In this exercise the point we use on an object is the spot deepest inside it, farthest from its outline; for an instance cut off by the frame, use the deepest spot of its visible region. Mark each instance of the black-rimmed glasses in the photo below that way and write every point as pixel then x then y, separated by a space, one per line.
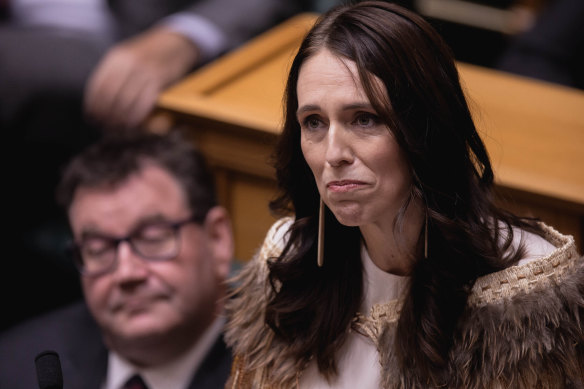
pixel 97 254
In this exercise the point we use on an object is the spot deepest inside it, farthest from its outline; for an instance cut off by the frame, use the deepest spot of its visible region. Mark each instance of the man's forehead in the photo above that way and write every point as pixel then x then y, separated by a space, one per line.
pixel 149 195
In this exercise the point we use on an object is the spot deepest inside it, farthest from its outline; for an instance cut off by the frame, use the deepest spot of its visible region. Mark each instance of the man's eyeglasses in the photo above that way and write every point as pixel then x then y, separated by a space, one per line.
pixel 97 254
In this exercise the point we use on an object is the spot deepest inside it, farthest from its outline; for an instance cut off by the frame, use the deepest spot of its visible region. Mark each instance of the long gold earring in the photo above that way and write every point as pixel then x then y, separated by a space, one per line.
pixel 426 237
pixel 320 246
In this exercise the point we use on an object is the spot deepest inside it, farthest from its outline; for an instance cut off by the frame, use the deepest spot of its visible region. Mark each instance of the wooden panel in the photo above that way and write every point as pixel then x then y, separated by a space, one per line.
pixel 232 147
pixel 534 132
pixel 245 181
pixel 556 214
pixel 245 87
pixel 249 207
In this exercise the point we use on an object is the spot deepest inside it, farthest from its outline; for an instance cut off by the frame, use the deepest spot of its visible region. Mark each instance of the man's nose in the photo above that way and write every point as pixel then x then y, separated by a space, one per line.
pixel 129 264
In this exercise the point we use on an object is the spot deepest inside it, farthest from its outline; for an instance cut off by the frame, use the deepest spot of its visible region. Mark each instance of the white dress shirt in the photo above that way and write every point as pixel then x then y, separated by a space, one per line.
pixel 175 375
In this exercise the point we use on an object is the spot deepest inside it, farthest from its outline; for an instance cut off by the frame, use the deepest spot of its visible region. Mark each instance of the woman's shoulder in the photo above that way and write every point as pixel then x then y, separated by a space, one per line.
pixel 250 289
pixel 549 259
pixel 256 269
pixel 531 312
pixel 275 239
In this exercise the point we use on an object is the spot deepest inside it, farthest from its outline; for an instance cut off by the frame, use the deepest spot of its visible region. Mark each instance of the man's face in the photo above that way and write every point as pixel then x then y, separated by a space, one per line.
pixel 142 301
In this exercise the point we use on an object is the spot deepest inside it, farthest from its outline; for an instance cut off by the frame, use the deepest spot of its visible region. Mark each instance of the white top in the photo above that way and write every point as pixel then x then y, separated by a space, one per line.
pixel 175 375
pixel 358 365
pixel 536 247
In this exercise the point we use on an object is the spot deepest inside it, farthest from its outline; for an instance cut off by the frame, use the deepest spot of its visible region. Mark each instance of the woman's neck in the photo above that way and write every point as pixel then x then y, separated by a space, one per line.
pixel 387 253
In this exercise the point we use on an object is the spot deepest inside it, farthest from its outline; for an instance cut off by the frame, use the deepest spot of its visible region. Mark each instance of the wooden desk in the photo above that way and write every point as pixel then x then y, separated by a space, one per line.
pixel 534 132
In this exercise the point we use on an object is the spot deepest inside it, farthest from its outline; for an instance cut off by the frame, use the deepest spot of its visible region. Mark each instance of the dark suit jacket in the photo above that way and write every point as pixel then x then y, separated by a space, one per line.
pixel 74 335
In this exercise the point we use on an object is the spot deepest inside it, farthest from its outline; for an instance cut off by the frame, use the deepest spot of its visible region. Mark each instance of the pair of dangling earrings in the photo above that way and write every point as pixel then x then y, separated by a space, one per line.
pixel 320 240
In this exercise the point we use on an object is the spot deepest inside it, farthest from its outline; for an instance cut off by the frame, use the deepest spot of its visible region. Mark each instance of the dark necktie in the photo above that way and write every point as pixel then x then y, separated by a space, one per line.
pixel 135 382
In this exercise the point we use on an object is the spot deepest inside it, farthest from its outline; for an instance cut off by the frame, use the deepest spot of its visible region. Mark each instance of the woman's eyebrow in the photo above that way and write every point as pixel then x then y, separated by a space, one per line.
pixel 307 108
pixel 355 106
pixel 346 107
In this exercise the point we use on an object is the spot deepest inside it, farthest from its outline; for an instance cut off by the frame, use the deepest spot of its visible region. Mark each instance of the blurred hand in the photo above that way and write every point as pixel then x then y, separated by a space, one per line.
pixel 124 87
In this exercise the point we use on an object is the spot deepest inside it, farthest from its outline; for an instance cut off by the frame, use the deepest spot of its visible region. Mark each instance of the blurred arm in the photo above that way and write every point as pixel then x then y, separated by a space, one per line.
pixel 125 85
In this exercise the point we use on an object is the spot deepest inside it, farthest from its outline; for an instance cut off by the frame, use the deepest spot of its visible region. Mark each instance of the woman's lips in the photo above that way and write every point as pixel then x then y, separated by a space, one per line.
pixel 344 185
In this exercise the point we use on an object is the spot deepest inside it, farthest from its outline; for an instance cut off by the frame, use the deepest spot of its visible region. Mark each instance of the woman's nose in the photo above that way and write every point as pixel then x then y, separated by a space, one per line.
pixel 338 151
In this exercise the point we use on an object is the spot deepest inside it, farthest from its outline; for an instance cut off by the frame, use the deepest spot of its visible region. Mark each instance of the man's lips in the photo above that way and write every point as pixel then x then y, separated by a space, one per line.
pixel 136 303
pixel 345 185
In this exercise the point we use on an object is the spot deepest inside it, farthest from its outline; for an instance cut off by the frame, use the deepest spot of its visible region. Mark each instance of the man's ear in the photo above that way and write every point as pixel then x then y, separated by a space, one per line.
pixel 220 234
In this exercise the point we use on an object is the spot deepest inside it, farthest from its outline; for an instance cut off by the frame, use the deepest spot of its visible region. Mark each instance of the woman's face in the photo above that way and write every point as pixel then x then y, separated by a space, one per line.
pixel 359 168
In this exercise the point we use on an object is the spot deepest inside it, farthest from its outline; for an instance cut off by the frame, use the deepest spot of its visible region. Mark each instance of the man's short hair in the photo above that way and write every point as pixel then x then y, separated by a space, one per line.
pixel 114 158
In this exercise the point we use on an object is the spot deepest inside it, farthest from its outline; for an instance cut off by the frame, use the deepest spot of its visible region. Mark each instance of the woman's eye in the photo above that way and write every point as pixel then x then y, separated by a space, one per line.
pixel 311 122
pixel 366 120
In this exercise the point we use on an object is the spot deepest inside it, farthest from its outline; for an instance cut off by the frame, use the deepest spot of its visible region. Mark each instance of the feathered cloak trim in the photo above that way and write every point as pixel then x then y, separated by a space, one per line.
pixel 523 327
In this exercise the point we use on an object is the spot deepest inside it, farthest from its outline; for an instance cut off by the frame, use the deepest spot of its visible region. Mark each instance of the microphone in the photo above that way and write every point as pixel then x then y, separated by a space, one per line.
pixel 48 368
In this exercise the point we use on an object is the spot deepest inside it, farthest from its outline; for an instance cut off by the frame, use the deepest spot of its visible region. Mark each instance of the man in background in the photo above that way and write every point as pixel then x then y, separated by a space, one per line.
pixel 72 69
pixel 153 249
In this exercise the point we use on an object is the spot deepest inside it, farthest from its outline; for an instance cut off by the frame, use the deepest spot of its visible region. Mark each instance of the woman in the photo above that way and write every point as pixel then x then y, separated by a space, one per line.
pixel 397 269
